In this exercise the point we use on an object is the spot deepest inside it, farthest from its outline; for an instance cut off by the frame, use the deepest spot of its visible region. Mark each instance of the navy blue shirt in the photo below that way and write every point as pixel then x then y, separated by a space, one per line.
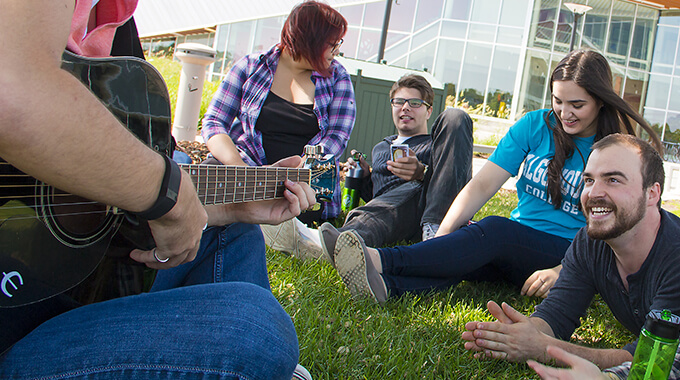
pixel 589 268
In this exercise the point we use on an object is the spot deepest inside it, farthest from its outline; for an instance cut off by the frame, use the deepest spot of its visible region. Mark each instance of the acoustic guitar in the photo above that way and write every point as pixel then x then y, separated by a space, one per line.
pixel 51 240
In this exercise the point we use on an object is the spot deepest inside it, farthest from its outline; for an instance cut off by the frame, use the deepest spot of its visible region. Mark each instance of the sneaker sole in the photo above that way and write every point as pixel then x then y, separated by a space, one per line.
pixel 350 262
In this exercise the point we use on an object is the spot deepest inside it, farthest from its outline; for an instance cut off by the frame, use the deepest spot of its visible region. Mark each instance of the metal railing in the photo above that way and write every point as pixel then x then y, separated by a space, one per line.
pixel 671 152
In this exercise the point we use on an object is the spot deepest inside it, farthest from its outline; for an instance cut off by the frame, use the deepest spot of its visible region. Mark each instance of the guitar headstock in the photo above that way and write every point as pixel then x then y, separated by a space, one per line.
pixel 324 172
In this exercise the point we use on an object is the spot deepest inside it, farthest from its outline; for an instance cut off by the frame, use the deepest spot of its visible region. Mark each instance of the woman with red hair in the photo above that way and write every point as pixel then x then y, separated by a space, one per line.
pixel 270 105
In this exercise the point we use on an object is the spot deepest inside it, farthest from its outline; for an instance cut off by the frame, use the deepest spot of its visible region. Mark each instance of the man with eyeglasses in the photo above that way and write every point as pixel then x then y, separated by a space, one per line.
pixel 408 196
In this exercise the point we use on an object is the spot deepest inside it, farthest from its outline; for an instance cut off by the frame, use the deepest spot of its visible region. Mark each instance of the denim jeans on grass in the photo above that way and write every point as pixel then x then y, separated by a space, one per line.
pixel 493 249
pixel 227 325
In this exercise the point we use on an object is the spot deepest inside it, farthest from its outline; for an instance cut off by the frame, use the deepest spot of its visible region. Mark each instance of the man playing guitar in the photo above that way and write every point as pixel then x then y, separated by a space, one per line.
pixel 55 130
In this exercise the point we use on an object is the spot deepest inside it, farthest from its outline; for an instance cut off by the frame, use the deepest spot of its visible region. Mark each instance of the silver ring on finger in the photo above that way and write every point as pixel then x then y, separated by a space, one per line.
pixel 155 255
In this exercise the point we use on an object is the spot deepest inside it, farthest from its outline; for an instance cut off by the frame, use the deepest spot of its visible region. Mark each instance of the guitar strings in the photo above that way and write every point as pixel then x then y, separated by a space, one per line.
pixel 209 190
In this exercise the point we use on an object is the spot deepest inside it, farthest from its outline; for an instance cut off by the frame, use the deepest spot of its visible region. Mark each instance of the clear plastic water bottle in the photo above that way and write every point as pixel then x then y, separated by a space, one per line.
pixel 656 346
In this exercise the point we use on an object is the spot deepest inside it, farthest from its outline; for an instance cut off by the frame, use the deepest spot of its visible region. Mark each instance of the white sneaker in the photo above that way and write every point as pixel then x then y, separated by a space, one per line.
pixel 301 373
pixel 295 238
pixel 429 230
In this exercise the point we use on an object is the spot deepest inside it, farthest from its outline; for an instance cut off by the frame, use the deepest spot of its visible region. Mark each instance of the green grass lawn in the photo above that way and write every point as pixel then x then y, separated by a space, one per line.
pixel 413 337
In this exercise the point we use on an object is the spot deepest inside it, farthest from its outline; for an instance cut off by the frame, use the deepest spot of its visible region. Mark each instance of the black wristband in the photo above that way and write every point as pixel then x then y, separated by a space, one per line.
pixel 167 195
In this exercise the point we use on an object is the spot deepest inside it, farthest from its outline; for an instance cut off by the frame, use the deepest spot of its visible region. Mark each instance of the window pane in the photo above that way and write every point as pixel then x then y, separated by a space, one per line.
pixel 456 29
pixel 268 33
pixel 619 31
pixel 534 81
pixel 510 36
pixel 163 47
pixel 545 24
pixel 669 20
pixel 672 133
pixel 475 73
pixel 427 12
pixel 664 51
pixel 675 98
pixel 595 25
pixel 239 40
pixel 655 120
pixel 368 44
pixel 486 11
pixel 457 9
pixel 395 51
pixel 351 41
pixel 401 15
pixel 481 32
pixel 401 62
pixel 635 86
pixel 426 35
pixel 375 13
pixel 203 39
pixel 448 61
pixel 502 82
pixel 514 12
pixel 422 58
pixel 352 14
pixel 643 37
pixel 657 92
pixel 564 27
pixel 221 47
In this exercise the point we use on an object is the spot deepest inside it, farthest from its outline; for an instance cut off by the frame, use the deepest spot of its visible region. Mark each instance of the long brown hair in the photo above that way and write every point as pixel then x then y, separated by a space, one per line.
pixel 589 70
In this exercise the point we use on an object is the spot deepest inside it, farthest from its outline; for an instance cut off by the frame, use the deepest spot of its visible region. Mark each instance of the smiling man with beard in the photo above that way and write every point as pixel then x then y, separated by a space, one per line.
pixel 628 253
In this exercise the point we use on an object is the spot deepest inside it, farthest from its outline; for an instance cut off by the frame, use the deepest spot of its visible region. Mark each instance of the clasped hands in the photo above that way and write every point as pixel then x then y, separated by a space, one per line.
pixel 512 337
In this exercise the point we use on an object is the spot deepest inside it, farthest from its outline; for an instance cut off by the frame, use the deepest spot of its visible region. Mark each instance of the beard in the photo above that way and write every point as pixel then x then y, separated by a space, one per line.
pixel 623 222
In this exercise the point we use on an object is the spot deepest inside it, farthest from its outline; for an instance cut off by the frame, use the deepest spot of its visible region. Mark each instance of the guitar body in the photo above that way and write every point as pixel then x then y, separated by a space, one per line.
pixel 51 240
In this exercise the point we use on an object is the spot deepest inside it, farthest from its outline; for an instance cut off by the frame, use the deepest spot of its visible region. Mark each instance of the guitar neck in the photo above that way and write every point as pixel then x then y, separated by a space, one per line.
pixel 218 184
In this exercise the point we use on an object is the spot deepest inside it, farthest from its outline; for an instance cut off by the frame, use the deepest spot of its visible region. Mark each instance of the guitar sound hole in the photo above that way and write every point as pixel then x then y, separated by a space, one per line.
pixel 78 216
pixel 76 221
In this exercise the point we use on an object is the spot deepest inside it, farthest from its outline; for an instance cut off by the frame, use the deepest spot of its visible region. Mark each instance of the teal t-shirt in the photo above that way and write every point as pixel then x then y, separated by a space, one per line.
pixel 530 141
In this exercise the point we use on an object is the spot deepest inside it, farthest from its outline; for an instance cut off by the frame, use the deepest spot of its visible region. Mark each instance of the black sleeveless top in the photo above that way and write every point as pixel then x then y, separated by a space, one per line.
pixel 286 127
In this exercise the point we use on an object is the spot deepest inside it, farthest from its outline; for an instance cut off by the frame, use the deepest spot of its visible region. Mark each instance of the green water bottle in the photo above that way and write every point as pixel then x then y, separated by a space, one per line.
pixel 656 346
pixel 350 193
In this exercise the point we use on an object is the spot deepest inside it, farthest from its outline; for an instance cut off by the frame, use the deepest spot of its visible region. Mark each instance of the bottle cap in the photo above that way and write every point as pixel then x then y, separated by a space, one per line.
pixel 663 324
pixel 355 172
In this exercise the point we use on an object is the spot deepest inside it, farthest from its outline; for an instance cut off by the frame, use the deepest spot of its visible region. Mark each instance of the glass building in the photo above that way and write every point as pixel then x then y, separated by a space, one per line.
pixel 496 55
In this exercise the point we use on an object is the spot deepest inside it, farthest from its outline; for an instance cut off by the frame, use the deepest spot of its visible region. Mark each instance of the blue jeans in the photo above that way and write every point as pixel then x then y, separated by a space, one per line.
pixel 227 325
pixel 495 248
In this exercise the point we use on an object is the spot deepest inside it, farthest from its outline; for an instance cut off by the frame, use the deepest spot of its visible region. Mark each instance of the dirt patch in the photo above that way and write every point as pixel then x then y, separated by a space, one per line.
pixel 195 149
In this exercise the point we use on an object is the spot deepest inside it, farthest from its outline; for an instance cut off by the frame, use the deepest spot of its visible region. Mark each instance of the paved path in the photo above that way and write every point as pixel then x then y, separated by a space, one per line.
pixel 477 164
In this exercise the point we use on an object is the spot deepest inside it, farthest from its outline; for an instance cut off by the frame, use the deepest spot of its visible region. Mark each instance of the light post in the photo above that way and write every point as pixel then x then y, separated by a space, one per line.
pixel 578 10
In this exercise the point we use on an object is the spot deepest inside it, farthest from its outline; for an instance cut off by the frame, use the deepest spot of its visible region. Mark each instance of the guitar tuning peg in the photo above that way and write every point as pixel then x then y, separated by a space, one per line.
pixel 314 150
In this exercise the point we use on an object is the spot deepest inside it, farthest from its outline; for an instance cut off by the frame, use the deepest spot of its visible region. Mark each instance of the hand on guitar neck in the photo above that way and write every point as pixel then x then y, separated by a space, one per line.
pixel 297 198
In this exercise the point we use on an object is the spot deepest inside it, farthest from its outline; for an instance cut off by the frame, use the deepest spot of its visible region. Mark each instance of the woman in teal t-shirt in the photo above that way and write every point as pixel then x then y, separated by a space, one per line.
pixel 527 248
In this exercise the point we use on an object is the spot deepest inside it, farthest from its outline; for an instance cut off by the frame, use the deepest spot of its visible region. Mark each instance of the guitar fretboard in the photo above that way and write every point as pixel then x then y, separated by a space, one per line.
pixel 218 184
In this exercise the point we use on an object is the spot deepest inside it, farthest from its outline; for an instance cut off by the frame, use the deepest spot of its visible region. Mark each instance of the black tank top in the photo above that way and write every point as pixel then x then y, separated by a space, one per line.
pixel 286 127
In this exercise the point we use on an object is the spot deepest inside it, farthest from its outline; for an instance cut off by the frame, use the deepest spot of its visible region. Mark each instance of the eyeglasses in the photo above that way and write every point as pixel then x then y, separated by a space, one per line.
pixel 413 102
pixel 336 46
